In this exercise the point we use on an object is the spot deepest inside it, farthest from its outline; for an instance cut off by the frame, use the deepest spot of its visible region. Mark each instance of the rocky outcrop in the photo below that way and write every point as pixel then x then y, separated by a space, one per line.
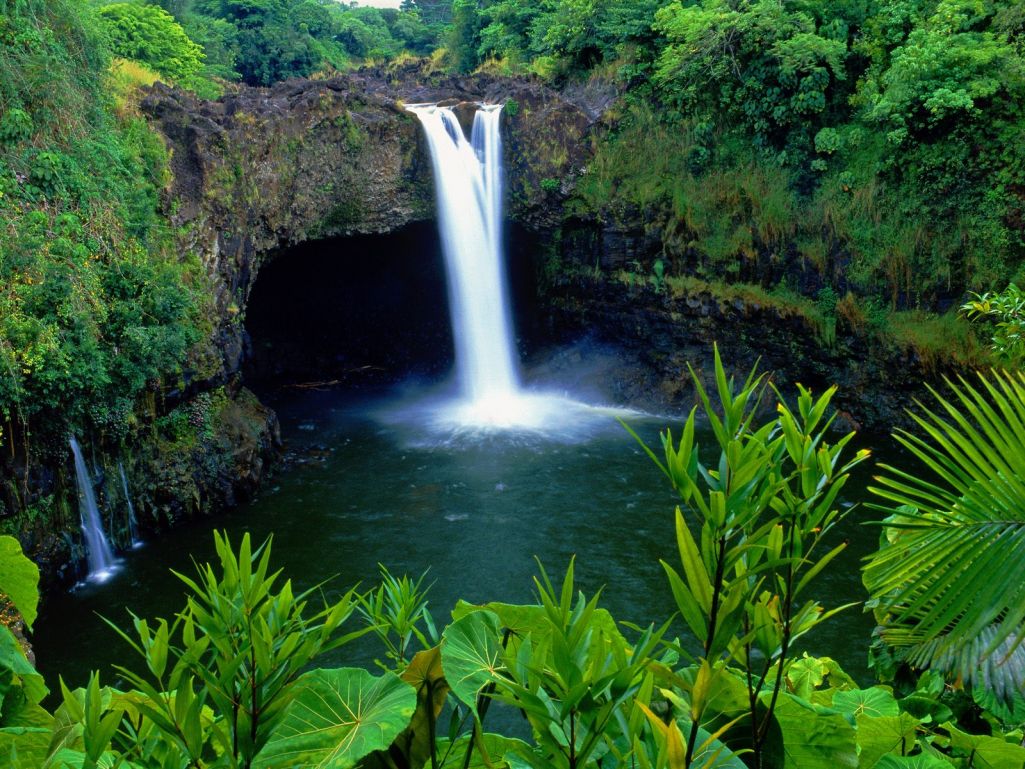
pixel 666 333
pixel 262 169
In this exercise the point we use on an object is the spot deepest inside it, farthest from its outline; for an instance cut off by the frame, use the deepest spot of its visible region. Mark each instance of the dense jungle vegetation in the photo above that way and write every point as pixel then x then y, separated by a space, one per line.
pixel 873 148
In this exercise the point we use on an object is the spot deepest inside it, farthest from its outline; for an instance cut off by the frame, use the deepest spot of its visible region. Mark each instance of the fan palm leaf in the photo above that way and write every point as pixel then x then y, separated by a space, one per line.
pixel 949 586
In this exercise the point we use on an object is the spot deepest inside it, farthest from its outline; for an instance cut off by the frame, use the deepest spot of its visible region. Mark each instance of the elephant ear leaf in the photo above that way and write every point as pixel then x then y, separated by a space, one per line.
pixel 471 654
pixel 19 579
pixel 337 718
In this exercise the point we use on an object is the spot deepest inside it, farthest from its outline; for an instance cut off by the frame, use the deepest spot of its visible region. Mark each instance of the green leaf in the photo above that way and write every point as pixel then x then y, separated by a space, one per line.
pixel 424 674
pixel 986 752
pixel 878 736
pixel 811 737
pixel 338 717
pixel 502 753
pixel 471 654
pixel 12 658
pixel 530 619
pixel 26 734
pixel 874 702
pixel 805 674
pixel 19 579
pixel 947 584
pixel 709 752
pixel 921 761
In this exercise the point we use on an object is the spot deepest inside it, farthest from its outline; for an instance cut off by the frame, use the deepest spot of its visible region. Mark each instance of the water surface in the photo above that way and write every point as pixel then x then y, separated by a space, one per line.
pixel 360 491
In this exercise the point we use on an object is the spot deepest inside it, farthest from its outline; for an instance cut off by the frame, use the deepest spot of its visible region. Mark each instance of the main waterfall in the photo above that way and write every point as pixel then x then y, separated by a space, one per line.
pixel 468 179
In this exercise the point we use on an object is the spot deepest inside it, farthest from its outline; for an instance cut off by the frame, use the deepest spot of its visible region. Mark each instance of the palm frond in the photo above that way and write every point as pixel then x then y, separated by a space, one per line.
pixel 950 585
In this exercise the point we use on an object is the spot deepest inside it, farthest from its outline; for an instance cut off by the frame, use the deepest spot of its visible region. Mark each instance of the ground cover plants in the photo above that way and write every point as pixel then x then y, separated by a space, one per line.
pixel 232 680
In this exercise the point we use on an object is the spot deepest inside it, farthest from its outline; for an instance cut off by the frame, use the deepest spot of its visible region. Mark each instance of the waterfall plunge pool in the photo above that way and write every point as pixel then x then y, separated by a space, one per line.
pixel 476 510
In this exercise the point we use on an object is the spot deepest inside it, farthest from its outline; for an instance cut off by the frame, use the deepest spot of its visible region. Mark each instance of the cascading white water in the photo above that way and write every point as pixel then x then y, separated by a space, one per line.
pixel 468 179
pixel 131 508
pixel 101 560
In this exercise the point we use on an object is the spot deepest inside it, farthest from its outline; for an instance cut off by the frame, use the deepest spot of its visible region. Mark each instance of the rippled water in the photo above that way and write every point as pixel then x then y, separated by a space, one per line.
pixel 365 487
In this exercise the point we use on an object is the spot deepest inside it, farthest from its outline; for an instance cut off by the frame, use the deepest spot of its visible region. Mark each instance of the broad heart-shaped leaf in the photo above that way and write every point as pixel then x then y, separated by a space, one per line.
pixel 19 579
pixel 336 718
pixel 986 752
pixel 921 761
pixel 878 736
pixel 811 736
pixel 805 674
pixel 503 753
pixel 424 674
pixel 875 701
pixel 25 736
pixel 471 654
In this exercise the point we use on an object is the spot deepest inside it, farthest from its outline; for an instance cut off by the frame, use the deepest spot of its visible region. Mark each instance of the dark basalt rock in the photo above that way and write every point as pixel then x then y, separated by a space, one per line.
pixel 266 168
pixel 662 336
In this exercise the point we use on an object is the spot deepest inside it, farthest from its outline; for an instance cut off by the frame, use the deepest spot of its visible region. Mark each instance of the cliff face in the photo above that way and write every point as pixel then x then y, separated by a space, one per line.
pixel 263 169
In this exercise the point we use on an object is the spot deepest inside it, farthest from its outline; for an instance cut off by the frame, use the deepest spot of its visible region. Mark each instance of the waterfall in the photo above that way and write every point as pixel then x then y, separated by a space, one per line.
pixel 131 508
pixel 468 180
pixel 101 560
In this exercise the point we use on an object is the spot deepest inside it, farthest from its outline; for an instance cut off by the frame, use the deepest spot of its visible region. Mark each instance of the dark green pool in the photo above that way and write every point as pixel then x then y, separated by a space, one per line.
pixel 360 491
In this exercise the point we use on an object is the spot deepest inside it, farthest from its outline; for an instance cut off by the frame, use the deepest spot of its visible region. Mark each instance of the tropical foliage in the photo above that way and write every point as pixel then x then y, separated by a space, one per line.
pixel 150 35
pixel 943 583
pixel 236 679
pixel 265 41
pixel 877 141
pixel 1005 312
pixel 881 143
pixel 763 508
pixel 96 307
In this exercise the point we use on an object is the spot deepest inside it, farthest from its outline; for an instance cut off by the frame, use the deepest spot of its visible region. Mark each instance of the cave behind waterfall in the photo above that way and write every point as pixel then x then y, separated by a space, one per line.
pixel 366 309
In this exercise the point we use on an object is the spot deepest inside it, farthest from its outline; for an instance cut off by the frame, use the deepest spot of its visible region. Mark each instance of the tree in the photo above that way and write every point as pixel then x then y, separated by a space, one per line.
pixel 150 35
pixel 271 44
pixel 430 11
pixel 464 36
pixel 776 70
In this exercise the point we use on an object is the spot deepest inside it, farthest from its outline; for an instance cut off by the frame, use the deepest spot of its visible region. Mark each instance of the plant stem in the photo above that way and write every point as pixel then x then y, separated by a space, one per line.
pixel 572 739
pixel 432 727
pixel 787 607
pixel 713 618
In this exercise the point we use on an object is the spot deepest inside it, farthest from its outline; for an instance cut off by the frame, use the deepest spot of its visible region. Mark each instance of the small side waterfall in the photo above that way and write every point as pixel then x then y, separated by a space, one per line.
pixel 468 179
pixel 132 525
pixel 101 560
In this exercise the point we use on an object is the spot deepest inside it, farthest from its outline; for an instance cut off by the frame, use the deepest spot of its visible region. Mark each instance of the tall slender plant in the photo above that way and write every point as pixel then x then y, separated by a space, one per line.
pixel 236 651
pixel 760 510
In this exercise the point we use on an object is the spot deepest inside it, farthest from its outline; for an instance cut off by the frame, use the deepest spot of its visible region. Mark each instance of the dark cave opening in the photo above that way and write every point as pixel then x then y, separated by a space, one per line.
pixel 369 309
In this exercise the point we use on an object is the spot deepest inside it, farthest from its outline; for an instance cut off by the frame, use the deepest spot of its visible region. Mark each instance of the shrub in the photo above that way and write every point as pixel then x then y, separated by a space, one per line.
pixel 150 35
